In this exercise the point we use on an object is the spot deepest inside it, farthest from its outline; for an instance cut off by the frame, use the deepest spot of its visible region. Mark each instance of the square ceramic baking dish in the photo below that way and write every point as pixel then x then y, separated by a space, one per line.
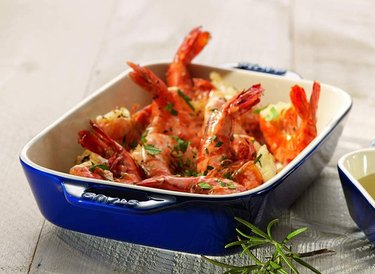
pixel 186 222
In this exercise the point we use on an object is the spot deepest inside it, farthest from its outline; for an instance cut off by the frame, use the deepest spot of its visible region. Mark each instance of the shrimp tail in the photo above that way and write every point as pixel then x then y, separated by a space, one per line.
pixel 244 101
pixel 192 45
pixel 94 143
pixel 314 99
pixel 178 74
pixel 146 79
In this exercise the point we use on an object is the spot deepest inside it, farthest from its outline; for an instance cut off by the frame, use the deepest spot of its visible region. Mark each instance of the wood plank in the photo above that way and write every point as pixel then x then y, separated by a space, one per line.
pixel 47 52
pixel 335 42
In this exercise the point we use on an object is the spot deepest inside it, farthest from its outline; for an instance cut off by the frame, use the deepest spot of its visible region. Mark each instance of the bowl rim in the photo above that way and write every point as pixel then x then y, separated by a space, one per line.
pixel 354 181
pixel 271 183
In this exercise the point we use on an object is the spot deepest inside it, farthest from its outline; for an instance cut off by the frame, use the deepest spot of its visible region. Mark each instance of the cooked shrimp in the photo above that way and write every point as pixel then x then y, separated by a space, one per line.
pixel 171 112
pixel 216 144
pixel 91 165
pixel 161 154
pixel 246 123
pixel 225 155
pixel 284 135
pixel 153 154
pixel 120 162
pixel 243 147
pixel 125 127
pixel 201 184
pixel 116 123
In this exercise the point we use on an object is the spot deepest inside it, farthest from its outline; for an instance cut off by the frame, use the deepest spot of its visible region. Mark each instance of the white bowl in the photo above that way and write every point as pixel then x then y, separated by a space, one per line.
pixel 352 167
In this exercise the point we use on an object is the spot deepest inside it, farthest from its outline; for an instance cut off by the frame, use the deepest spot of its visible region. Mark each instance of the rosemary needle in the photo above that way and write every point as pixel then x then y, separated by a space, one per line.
pixel 282 260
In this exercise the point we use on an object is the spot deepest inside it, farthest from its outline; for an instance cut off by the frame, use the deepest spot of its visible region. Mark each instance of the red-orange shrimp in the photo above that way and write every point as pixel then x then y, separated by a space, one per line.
pixel 202 85
pixel 153 155
pixel 123 127
pixel 161 154
pixel 171 112
pixel 201 184
pixel 116 123
pixel 216 145
pixel 248 124
pixel 243 147
pixel 120 162
pixel 178 74
pixel 89 170
pixel 285 136
pixel 247 174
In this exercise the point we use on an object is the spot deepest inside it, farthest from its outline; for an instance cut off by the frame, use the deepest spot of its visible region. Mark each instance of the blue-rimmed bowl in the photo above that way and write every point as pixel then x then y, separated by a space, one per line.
pixel 352 167
pixel 187 222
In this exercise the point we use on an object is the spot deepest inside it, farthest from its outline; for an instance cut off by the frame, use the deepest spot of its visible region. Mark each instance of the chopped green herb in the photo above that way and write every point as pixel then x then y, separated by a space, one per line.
pixel 257 160
pixel 258 110
pixel 219 144
pixel 143 137
pixel 192 173
pixel 169 107
pixel 180 163
pixel 227 175
pixel 133 145
pixel 151 149
pixel 204 185
pixel 85 159
pixel 181 145
pixel 186 98
pixel 229 185
pixel 273 114
pixel 207 170
pixel 101 166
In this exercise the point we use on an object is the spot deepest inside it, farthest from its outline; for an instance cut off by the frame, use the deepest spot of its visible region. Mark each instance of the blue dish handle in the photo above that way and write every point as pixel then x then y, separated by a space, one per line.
pixel 81 194
pixel 264 69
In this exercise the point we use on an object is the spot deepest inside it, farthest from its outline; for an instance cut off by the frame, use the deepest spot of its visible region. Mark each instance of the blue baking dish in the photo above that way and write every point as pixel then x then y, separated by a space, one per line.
pixel 186 222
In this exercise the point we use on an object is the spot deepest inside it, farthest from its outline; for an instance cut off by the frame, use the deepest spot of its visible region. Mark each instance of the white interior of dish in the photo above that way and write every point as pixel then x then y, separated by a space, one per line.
pixel 55 149
pixel 359 164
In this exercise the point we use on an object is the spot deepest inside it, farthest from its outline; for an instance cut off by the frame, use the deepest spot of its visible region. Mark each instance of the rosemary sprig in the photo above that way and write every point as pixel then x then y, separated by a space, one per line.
pixel 280 261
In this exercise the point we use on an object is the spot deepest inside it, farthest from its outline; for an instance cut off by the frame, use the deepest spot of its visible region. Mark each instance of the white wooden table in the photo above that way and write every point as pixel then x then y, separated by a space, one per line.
pixel 54 53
